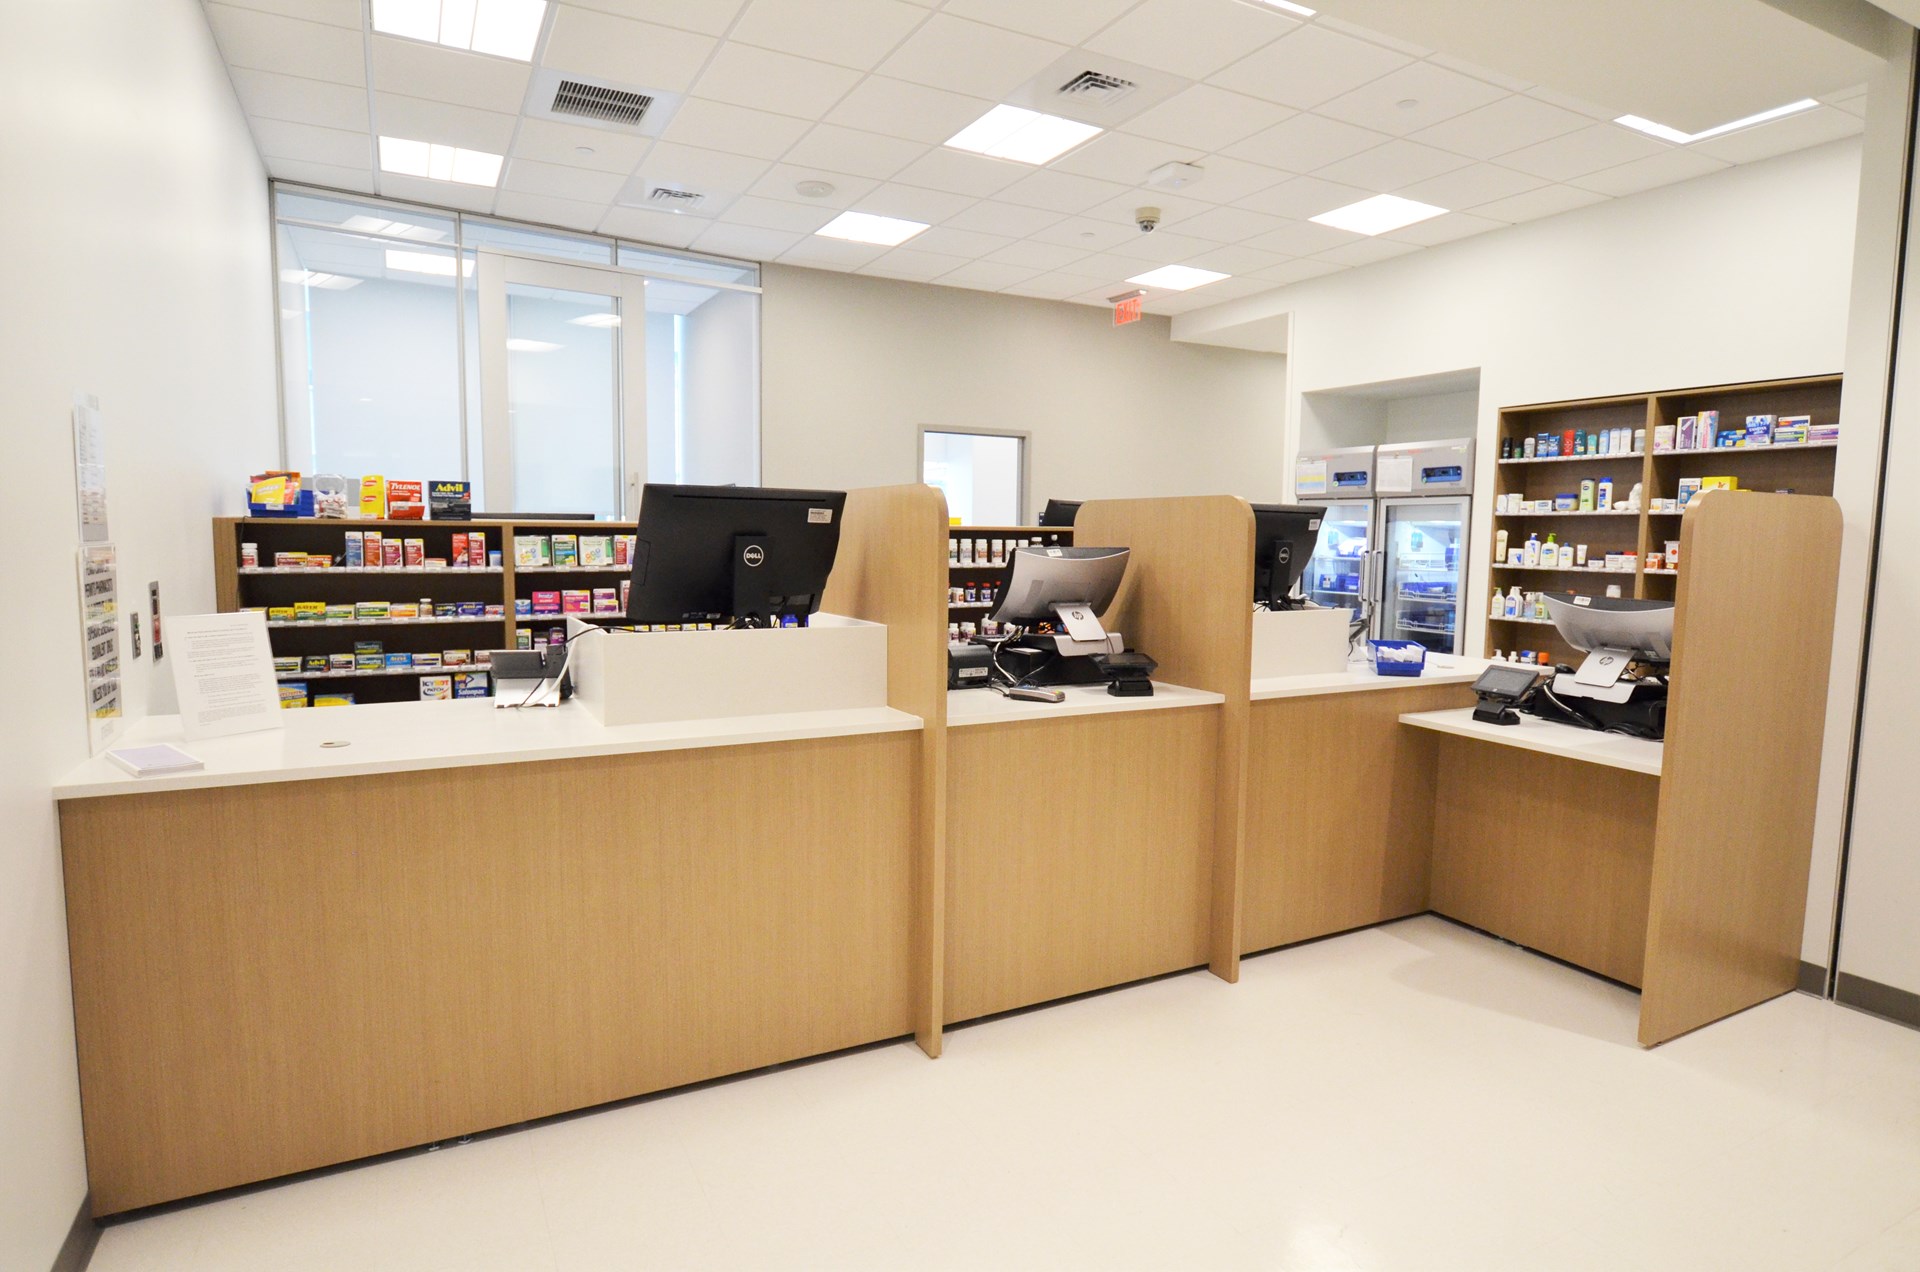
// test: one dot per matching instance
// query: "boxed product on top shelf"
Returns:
(377, 550)
(1702, 432)
(560, 551)
(1574, 443)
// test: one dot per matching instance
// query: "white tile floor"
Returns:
(1410, 1097)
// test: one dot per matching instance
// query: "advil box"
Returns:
(451, 500)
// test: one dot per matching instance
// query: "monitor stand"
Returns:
(1078, 621)
(1600, 675)
(750, 553)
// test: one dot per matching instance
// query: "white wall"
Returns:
(723, 387)
(1742, 275)
(853, 367)
(135, 221)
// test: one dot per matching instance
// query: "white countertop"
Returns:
(1637, 755)
(398, 737)
(984, 706)
(1440, 670)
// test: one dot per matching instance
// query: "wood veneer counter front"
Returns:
(1636, 755)
(399, 737)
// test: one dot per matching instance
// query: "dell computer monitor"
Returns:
(1060, 512)
(1069, 586)
(754, 556)
(1284, 536)
(1640, 629)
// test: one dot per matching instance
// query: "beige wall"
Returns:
(134, 216)
(853, 367)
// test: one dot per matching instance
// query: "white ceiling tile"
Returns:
(561, 181)
(1546, 201)
(849, 150)
(449, 75)
(776, 214)
(1310, 66)
(1508, 124)
(779, 182)
(1471, 186)
(1228, 181)
(422, 120)
(1206, 118)
(1577, 105)
(1193, 38)
(826, 253)
(1394, 166)
(1036, 255)
(1068, 21)
(777, 82)
(1163, 248)
(444, 194)
(744, 241)
(266, 95)
(855, 33)
(709, 17)
(1495, 78)
(896, 108)
(551, 142)
(1304, 197)
(1229, 225)
(741, 130)
(569, 214)
(1304, 143)
(343, 13)
(1236, 260)
(1367, 252)
(269, 42)
(969, 57)
(1167, 304)
(957, 172)
(323, 174)
(1107, 269)
(1213, 293)
(1049, 287)
(1446, 229)
(1300, 238)
(279, 139)
(700, 169)
(644, 225)
(1299, 271)
(645, 54)
(912, 265)
(1373, 35)
(1646, 174)
(1085, 233)
(1008, 219)
(1060, 191)
(1578, 153)
(1795, 132)
(1118, 156)
(968, 244)
(913, 203)
(1435, 94)
(986, 275)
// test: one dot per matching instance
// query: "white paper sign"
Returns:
(1393, 474)
(89, 468)
(100, 643)
(223, 674)
(1310, 478)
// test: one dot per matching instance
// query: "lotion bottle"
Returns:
(1532, 550)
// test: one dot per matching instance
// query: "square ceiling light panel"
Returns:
(438, 162)
(865, 227)
(1177, 278)
(503, 28)
(1024, 136)
(1378, 215)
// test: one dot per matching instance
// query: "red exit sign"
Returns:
(1126, 310)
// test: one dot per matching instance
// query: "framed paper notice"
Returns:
(100, 643)
(223, 674)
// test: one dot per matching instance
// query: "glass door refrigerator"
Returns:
(1342, 480)
(1425, 508)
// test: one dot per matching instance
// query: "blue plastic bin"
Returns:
(1397, 657)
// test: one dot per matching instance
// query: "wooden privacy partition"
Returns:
(892, 569)
(1188, 601)
(1741, 771)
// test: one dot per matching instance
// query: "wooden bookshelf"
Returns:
(1805, 469)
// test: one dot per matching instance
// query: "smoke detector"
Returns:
(1175, 175)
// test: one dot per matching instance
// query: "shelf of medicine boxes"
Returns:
(1805, 469)
(267, 586)
(992, 575)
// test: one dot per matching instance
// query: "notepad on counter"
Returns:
(151, 761)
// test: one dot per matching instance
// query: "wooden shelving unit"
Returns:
(270, 586)
(988, 575)
(1795, 469)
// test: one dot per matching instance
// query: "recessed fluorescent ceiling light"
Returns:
(1300, 9)
(1379, 214)
(424, 263)
(1177, 278)
(1679, 138)
(1026, 136)
(395, 229)
(596, 320)
(865, 227)
(326, 282)
(517, 345)
(504, 28)
(436, 162)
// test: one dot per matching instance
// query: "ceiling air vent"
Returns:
(597, 101)
(675, 200)
(1096, 88)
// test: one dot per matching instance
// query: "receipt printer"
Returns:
(968, 666)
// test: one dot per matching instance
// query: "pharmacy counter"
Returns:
(1079, 842)
(1360, 677)
(399, 737)
(1636, 755)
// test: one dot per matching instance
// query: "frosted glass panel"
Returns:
(563, 400)
(979, 473)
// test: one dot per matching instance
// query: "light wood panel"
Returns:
(1339, 812)
(892, 568)
(1188, 602)
(273, 978)
(1081, 854)
(1553, 853)
(1752, 641)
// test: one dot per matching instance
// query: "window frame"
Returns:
(1024, 437)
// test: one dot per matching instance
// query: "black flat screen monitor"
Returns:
(1060, 512)
(1284, 537)
(754, 556)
